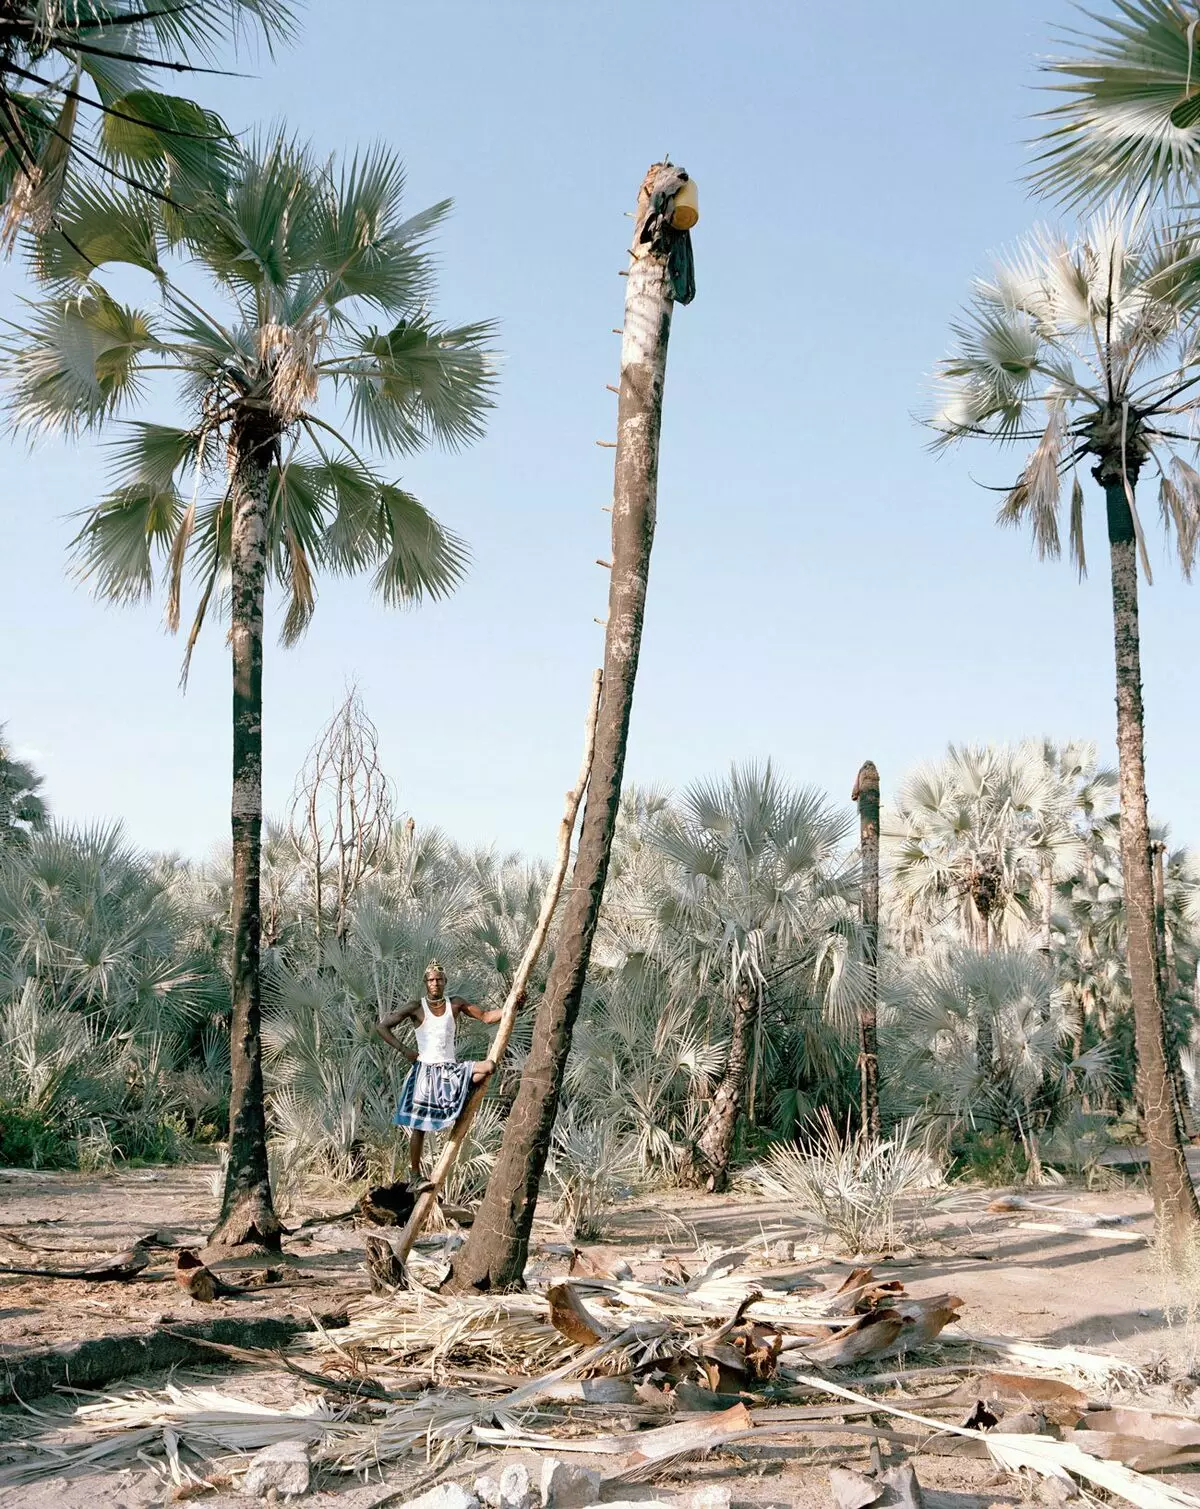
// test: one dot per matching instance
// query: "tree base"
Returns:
(699, 1173)
(475, 1281)
(250, 1221)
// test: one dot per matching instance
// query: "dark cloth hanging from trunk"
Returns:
(655, 206)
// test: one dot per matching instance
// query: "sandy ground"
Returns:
(1058, 1288)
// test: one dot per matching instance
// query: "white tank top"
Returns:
(435, 1035)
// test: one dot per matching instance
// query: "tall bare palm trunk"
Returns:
(714, 1146)
(866, 794)
(496, 1251)
(1165, 965)
(985, 1038)
(1176, 1212)
(247, 1211)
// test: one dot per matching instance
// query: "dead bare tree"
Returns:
(341, 816)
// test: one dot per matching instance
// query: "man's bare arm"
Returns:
(469, 1008)
(384, 1026)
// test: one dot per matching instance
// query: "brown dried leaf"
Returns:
(571, 1317)
(687, 1436)
(1059, 1402)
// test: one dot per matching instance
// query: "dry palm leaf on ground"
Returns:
(644, 1375)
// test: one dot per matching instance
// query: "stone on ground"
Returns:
(568, 1486)
(516, 1491)
(445, 1496)
(282, 1466)
(853, 1490)
(1058, 1491)
(487, 1491)
(712, 1496)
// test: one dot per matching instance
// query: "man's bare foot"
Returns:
(482, 1071)
(419, 1185)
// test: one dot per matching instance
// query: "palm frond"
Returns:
(1127, 116)
(1037, 493)
(78, 360)
(418, 382)
(1179, 505)
(115, 549)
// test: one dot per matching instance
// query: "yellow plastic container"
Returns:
(687, 206)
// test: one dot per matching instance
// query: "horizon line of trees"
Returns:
(721, 1011)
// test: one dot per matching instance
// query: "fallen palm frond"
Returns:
(504, 1330)
(857, 1318)
(1041, 1454)
(1099, 1368)
(202, 1418)
(1012, 1204)
(1063, 1459)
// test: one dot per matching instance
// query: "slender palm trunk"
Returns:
(1176, 1212)
(1047, 906)
(494, 1255)
(1165, 965)
(714, 1146)
(985, 1038)
(247, 1212)
(866, 794)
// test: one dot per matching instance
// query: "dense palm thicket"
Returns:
(721, 1010)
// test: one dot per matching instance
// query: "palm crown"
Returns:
(753, 874)
(324, 289)
(1086, 347)
(983, 831)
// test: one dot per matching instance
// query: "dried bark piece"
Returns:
(687, 1436)
(570, 1316)
(1058, 1402)
(853, 1490)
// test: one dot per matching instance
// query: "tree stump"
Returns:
(385, 1268)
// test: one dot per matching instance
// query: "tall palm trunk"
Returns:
(1176, 1212)
(494, 1255)
(985, 1038)
(866, 794)
(247, 1211)
(1165, 966)
(714, 1146)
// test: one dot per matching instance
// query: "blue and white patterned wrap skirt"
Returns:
(433, 1096)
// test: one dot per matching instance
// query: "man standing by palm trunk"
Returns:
(438, 1085)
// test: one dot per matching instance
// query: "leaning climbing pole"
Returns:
(516, 994)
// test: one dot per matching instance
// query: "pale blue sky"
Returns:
(823, 590)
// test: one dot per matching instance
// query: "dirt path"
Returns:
(1060, 1288)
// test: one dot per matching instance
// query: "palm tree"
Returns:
(939, 1004)
(22, 807)
(1083, 347)
(102, 57)
(1127, 116)
(755, 905)
(975, 836)
(301, 256)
